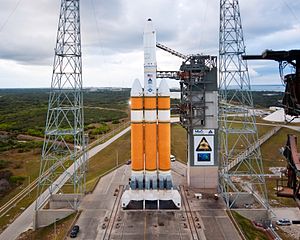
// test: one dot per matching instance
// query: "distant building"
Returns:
(280, 116)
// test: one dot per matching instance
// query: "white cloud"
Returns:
(112, 37)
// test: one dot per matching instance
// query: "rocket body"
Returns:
(150, 124)
(150, 106)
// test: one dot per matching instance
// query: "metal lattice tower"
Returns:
(241, 168)
(64, 142)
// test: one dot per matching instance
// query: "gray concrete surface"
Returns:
(98, 221)
(290, 213)
(258, 215)
(46, 217)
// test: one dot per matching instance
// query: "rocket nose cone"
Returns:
(136, 90)
(163, 89)
(149, 28)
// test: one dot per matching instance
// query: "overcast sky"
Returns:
(112, 33)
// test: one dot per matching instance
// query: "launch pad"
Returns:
(102, 215)
(157, 199)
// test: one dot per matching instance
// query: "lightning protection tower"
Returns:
(241, 168)
(63, 155)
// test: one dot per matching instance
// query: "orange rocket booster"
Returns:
(164, 131)
(137, 135)
(150, 124)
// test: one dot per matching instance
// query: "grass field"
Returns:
(17, 209)
(276, 201)
(250, 231)
(179, 139)
(24, 164)
(273, 158)
(240, 141)
(179, 142)
(116, 153)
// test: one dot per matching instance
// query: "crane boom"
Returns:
(173, 52)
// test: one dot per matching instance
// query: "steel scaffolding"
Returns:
(241, 165)
(64, 141)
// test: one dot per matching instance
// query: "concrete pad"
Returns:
(204, 177)
(103, 218)
(49, 216)
(290, 213)
(58, 201)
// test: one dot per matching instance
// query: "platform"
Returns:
(157, 196)
(102, 216)
(286, 192)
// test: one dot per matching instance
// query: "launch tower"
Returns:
(240, 156)
(64, 143)
(199, 115)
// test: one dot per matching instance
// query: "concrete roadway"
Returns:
(25, 220)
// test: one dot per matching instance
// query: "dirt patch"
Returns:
(293, 231)
(53, 231)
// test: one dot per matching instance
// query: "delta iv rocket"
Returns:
(150, 124)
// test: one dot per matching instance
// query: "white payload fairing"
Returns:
(150, 124)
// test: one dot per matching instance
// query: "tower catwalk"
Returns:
(64, 142)
(240, 159)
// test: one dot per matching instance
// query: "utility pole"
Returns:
(238, 152)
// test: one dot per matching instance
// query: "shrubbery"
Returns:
(104, 128)
(36, 132)
(115, 122)
(11, 143)
(263, 99)
(25, 110)
(17, 179)
(4, 164)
